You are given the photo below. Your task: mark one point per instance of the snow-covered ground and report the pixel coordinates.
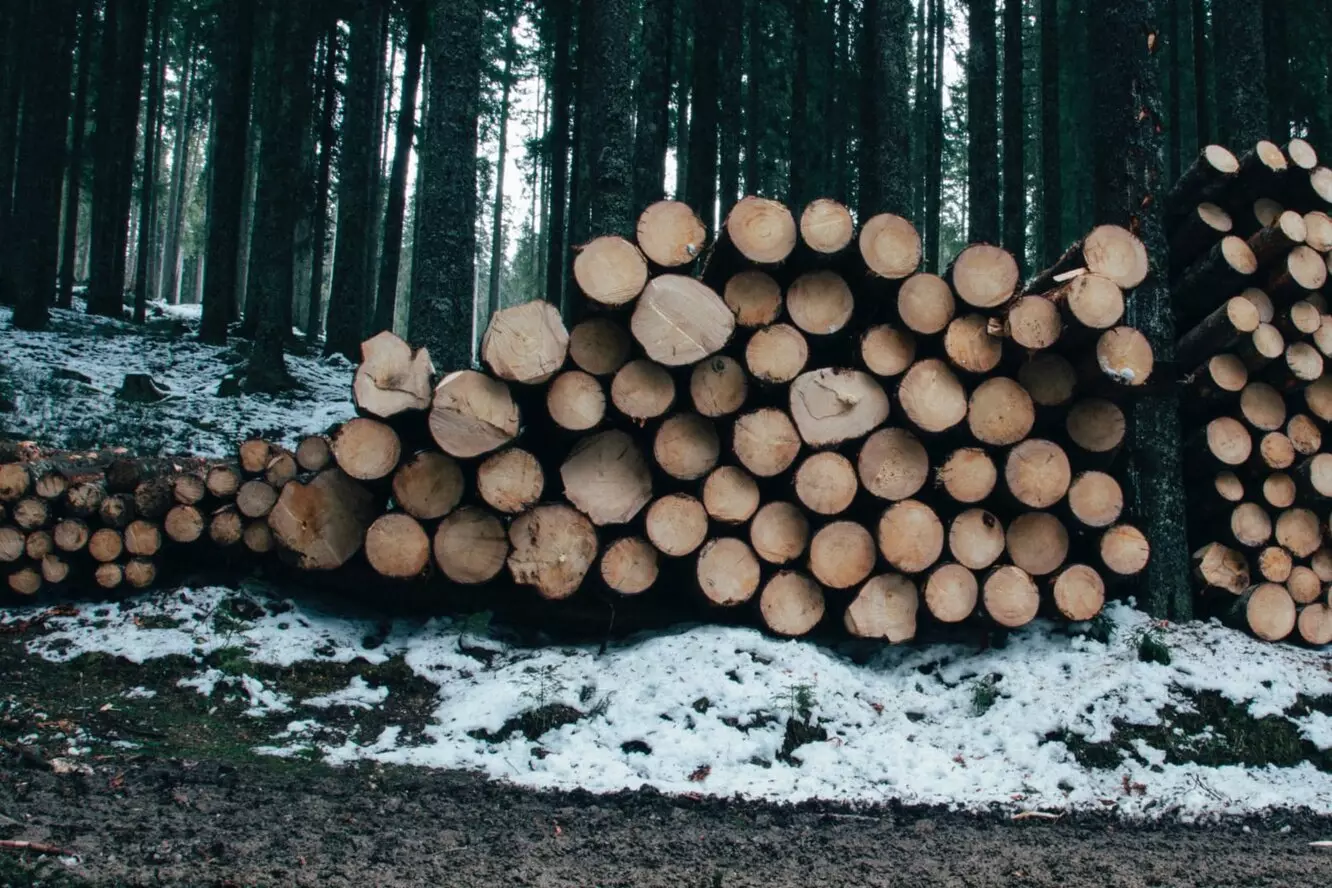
(62, 385)
(706, 709)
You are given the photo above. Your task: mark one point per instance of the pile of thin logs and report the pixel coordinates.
(1250, 246)
(791, 423)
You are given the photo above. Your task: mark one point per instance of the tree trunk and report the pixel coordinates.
(328, 136)
(34, 239)
(349, 302)
(681, 76)
(654, 89)
(74, 171)
(1276, 47)
(1015, 141)
(701, 183)
(497, 221)
(12, 18)
(885, 174)
(388, 48)
(1241, 81)
(385, 307)
(169, 290)
(151, 148)
(934, 175)
(1201, 77)
(561, 98)
(982, 126)
(730, 123)
(1052, 206)
(444, 249)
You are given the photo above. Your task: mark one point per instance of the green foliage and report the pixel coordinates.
(797, 700)
(1152, 648)
(984, 694)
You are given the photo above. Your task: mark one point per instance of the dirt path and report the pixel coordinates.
(165, 822)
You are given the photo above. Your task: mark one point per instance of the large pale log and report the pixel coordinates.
(1318, 231)
(1095, 499)
(396, 546)
(976, 539)
(1267, 610)
(760, 230)
(983, 276)
(1261, 347)
(1124, 356)
(1276, 240)
(676, 524)
(1010, 596)
(106, 545)
(1208, 177)
(765, 441)
(779, 532)
(472, 414)
(890, 246)
(910, 536)
(1220, 567)
(968, 475)
(312, 455)
(629, 565)
(1219, 379)
(599, 346)
(826, 226)
(679, 320)
(190, 489)
(576, 401)
(686, 446)
(1250, 525)
(841, 554)
(1000, 412)
(1037, 473)
(931, 396)
(1301, 365)
(886, 350)
(25, 581)
(223, 481)
(884, 608)
(14, 482)
(324, 522)
(470, 545)
(390, 379)
(38, 545)
(791, 604)
(1222, 272)
(718, 386)
(642, 390)
(11, 544)
(256, 498)
(1274, 564)
(184, 524)
(925, 304)
(1037, 543)
(1302, 154)
(510, 481)
(893, 464)
(526, 343)
(109, 575)
(1299, 531)
(1279, 490)
(1314, 477)
(1108, 250)
(143, 538)
(1262, 407)
(670, 234)
(754, 298)
(826, 483)
(554, 546)
(820, 302)
(258, 537)
(1301, 271)
(1078, 592)
(1318, 398)
(253, 455)
(226, 527)
(1096, 425)
(1219, 331)
(1301, 318)
(1124, 550)
(140, 572)
(1315, 624)
(1274, 452)
(1195, 234)
(610, 270)
(728, 571)
(428, 485)
(970, 346)
(1032, 322)
(730, 495)
(834, 405)
(776, 354)
(55, 569)
(69, 535)
(1049, 378)
(607, 478)
(1089, 302)
(951, 591)
(365, 449)
(30, 513)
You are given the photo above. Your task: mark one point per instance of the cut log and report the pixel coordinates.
(728, 571)
(606, 477)
(1209, 176)
(1224, 271)
(968, 475)
(931, 396)
(754, 298)
(1321, 563)
(189, 488)
(140, 573)
(886, 350)
(841, 554)
(428, 485)
(1219, 379)
(1299, 272)
(1089, 302)
(1262, 407)
(1196, 233)
(256, 498)
(1312, 189)
(526, 343)
(1314, 477)
(1219, 567)
(676, 524)
(554, 546)
(1078, 592)
(84, 498)
(106, 545)
(642, 390)
(1037, 542)
(1279, 490)
(55, 570)
(1299, 531)
(70, 535)
(1108, 250)
(14, 482)
(1037, 473)
(12, 542)
(791, 604)
(1302, 318)
(1274, 564)
(670, 234)
(365, 449)
(1219, 331)
(1000, 412)
(1010, 596)
(226, 527)
(925, 304)
(30, 513)
(1275, 452)
(1253, 217)
(1032, 322)
(109, 576)
(223, 481)
(776, 354)
(765, 441)
(760, 230)
(312, 455)
(258, 537)
(38, 545)
(718, 386)
(686, 446)
(834, 405)
(324, 521)
(970, 346)
(1267, 610)
(1261, 347)
(154, 498)
(470, 545)
(1318, 398)
(396, 546)
(826, 483)
(50, 485)
(890, 246)
(253, 454)
(1049, 378)
(1315, 624)
(1124, 550)
(123, 475)
(779, 532)
(1276, 240)
(472, 414)
(884, 608)
(143, 538)
(826, 226)
(910, 536)
(951, 592)
(510, 481)
(1250, 525)
(730, 495)
(1095, 499)
(1302, 364)
(576, 401)
(1302, 154)
(1124, 356)
(390, 379)
(976, 539)
(599, 346)
(893, 464)
(983, 276)
(1318, 231)
(819, 302)
(610, 270)
(26, 581)
(629, 565)
(679, 321)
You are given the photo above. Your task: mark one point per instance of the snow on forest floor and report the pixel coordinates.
(62, 382)
(1052, 721)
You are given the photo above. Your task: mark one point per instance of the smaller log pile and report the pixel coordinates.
(1250, 238)
(794, 426)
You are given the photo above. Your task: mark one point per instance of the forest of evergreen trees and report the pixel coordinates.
(340, 167)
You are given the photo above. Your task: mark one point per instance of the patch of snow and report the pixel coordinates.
(204, 682)
(139, 694)
(711, 704)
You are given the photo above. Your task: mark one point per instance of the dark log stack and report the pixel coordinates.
(1249, 259)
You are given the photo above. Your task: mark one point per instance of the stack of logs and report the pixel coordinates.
(809, 430)
(1250, 239)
